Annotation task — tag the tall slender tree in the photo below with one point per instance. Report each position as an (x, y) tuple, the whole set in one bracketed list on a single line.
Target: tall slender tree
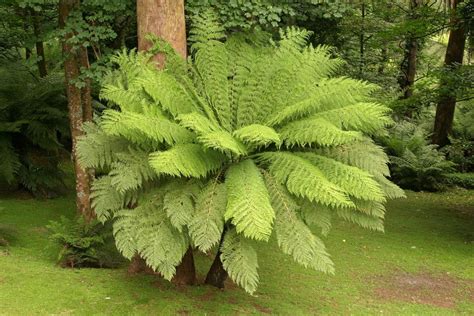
[(454, 57), (79, 103), (406, 79), (166, 19)]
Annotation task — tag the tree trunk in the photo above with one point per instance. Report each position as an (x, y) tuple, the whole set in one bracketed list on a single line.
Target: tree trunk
[(41, 63), (454, 56), (362, 42), (408, 66), (165, 19), (76, 99), (217, 275)]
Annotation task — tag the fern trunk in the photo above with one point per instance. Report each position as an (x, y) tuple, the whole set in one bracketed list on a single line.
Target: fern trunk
[(217, 274)]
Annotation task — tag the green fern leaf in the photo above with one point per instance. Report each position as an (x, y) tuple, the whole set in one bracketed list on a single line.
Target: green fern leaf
[(369, 118), (317, 214), (354, 181), (96, 149), (257, 134), (316, 131), (293, 236), (188, 160), (304, 179), (141, 129), (105, 198), (124, 230), (248, 205), (131, 171), (178, 203), (239, 259), (207, 225), (158, 242)]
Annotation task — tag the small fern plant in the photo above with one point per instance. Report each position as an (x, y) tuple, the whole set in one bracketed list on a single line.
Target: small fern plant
[(249, 139)]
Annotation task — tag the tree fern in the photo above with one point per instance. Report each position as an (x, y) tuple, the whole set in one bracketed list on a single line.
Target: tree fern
[(252, 137)]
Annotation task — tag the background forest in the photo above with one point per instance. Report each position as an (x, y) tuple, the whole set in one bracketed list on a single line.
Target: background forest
[(240, 123)]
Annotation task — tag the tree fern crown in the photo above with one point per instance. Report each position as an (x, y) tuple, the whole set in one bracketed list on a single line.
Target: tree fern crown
[(248, 138)]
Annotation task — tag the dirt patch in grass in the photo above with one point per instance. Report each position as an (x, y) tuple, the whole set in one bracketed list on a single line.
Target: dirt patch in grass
[(262, 309), (424, 288)]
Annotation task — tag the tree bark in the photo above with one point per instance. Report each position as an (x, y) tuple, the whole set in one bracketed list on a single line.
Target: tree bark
[(408, 66), (166, 19), (217, 275), (362, 41), (454, 57), (77, 100), (41, 62)]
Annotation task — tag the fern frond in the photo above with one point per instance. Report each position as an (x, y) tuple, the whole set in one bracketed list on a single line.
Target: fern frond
[(170, 94), (370, 118), (96, 149), (248, 205), (10, 163), (329, 94), (127, 100), (105, 198), (158, 242), (352, 180), (364, 155), (239, 259), (304, 179), (211, 135), (135, 127), (178, 203), (293, 236), (317, 214), (131, 171), (207, 225), (391, 190), (212, 65), (188, 160), (316, 131), (361, 219), (124, 230), (256, 134)]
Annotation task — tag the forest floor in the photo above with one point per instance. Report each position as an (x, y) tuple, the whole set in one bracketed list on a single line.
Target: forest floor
[(423, 264)]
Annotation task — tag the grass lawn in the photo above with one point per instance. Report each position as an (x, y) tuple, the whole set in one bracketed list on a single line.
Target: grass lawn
[(423, 264)]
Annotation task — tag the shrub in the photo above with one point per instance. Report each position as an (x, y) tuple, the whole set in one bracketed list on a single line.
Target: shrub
[(83, 244), (33, 117), (415, 164), (463, 180), (251, 139)]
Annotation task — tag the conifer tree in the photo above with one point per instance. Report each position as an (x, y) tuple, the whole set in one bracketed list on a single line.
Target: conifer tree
[(250, 138)]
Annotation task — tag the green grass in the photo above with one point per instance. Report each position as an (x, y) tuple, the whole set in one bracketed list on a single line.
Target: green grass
[(426, 234)]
